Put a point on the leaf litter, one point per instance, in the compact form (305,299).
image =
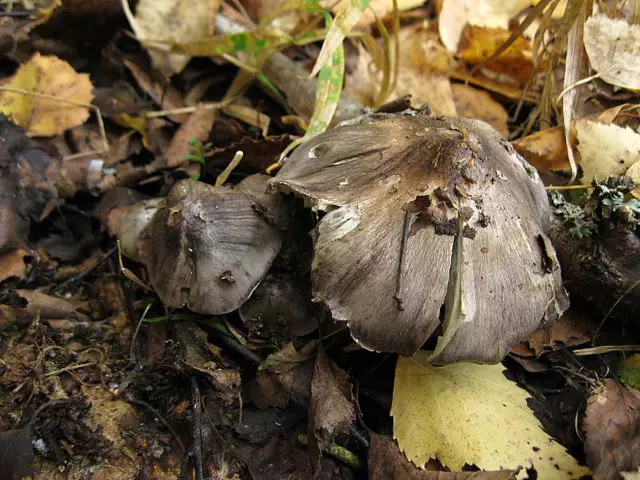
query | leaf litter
(238,363)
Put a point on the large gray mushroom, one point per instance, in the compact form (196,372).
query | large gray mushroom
(207,248)
(430,222)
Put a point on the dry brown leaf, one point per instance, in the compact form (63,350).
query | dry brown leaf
(386,462)
(612,47)
(479,43)
(569,331)
(455,14)
(163,23)
(47,306)
(474,103)
(546,150)
(197,127)
(612,427)
(12,265)
(52,77)
(332,405)
(423,74)
(165,95)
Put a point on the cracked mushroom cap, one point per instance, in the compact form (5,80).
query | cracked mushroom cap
(210,247)
(430,222)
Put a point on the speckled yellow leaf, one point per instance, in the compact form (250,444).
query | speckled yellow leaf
(52,77)
(605,149)
(467,413)
(613,47)
(163,23)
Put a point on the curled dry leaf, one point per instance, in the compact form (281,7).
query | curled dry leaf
(209,247)
(546,149)
(612,427)
(50,76)
(429,221)
(612,47)
(473,103)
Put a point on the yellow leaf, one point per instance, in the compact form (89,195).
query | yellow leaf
(605,149)
(164,23)
(467,413)
(59,92)
(455,14)
(612,49)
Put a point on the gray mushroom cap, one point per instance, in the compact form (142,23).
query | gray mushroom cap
(210,247)
(430,221)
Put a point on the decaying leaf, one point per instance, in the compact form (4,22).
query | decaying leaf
(332,404)
(612,47)
(58,81)
(605,149)
(162,23)
(425,212)
(455,14)
(570,330)
(629,371)
(285,377)
(197,127)
(612,426)
(209,247)
(471,414)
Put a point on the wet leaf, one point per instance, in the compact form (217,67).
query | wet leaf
(629,371)
(332,405)
(486,422)
(612,49)
(612,427)
(58,81)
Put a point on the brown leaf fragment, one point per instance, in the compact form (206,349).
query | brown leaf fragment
(284,378)
(49,307)
(546,150)
(612,427)
(332,405)
(164,94)
(12,265)
(386,462)
(473,103)
(568,331)
(197,127)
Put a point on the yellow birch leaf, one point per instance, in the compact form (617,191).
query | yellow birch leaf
(468,413)
(605,149)
(612,48)
(58,81)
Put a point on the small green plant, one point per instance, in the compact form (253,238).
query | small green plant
(198,154)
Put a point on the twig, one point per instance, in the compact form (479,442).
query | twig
(196,448)
(224,175)
(157,415)
(135,334)
(583,352)
(234,345)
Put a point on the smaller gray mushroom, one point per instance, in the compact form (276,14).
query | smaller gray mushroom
(206,248)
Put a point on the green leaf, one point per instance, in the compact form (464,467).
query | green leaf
(349,12)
